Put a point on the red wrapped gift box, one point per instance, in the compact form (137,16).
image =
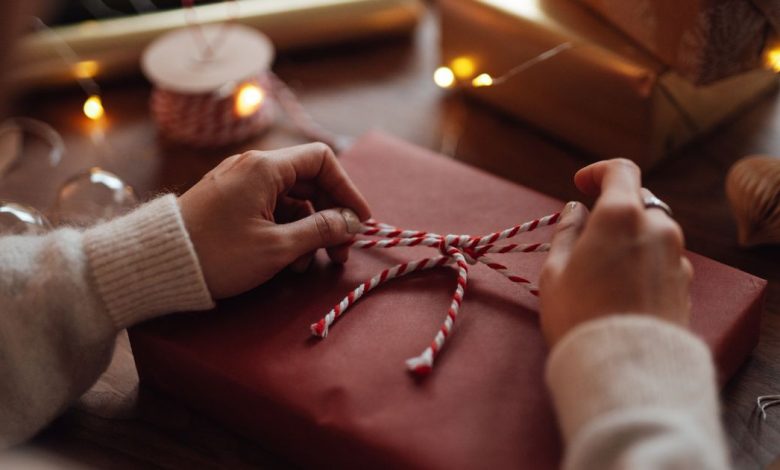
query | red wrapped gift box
(348,400)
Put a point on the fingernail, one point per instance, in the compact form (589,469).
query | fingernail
(352,220)
(569,208)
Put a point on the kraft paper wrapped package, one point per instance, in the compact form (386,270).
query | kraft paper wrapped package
(348,401)
(703,40)
(604,94)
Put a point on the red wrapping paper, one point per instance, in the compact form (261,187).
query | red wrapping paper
(348,401)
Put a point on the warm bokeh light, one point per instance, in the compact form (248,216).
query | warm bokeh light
(444,77)
(93,108)
(481,80)
(248,99)
(463,67)
(773,59)
(85,69)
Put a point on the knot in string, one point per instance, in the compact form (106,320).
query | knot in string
(460,250)
(451,245)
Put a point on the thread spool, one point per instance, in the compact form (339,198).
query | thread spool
(210,98)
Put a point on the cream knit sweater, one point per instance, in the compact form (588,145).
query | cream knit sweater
(630,391)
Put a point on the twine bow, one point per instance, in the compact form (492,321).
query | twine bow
(462,250)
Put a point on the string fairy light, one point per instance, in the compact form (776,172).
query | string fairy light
(93,107)
(444,77)
(461,70)
(93,194)
(242,105)
(772,59)
(84,71)
(463,67)
(483,79)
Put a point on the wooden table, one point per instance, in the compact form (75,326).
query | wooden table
(351,89)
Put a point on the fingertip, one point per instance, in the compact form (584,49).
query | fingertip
(573,219)
(570,207)
(573,213)
(592,179)
(585,182)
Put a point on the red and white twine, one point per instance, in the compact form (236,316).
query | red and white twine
(208,119)
(462,250)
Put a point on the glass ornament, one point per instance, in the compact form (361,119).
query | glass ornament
(16,131)
(92,196)
(19,219)
(10,146)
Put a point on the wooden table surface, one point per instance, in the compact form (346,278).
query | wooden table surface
(351,89)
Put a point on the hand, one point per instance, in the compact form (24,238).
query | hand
(254,214)
(620,259)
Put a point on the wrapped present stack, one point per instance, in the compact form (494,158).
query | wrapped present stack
(636,79)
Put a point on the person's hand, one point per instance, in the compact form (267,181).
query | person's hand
(254,214)
(622,258)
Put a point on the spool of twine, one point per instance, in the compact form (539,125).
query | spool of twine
(207,119)
(210,99)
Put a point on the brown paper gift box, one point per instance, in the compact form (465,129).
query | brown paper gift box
(604,95)
(348,401)
(703,40)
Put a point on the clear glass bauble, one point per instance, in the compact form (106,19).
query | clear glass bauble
(16,133)
(19,219)
(92,196)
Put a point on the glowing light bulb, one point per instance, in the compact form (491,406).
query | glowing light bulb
(463,67)
(85,69)
(248,99)
(93,108)
(773,59)
(481,80)
(444,77)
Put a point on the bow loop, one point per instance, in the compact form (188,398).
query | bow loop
(460,250)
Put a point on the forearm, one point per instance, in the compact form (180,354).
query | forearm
(64,296)
(54,335)
(636,392)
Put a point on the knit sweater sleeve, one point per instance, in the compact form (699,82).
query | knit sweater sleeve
(636,392)
(65,295)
